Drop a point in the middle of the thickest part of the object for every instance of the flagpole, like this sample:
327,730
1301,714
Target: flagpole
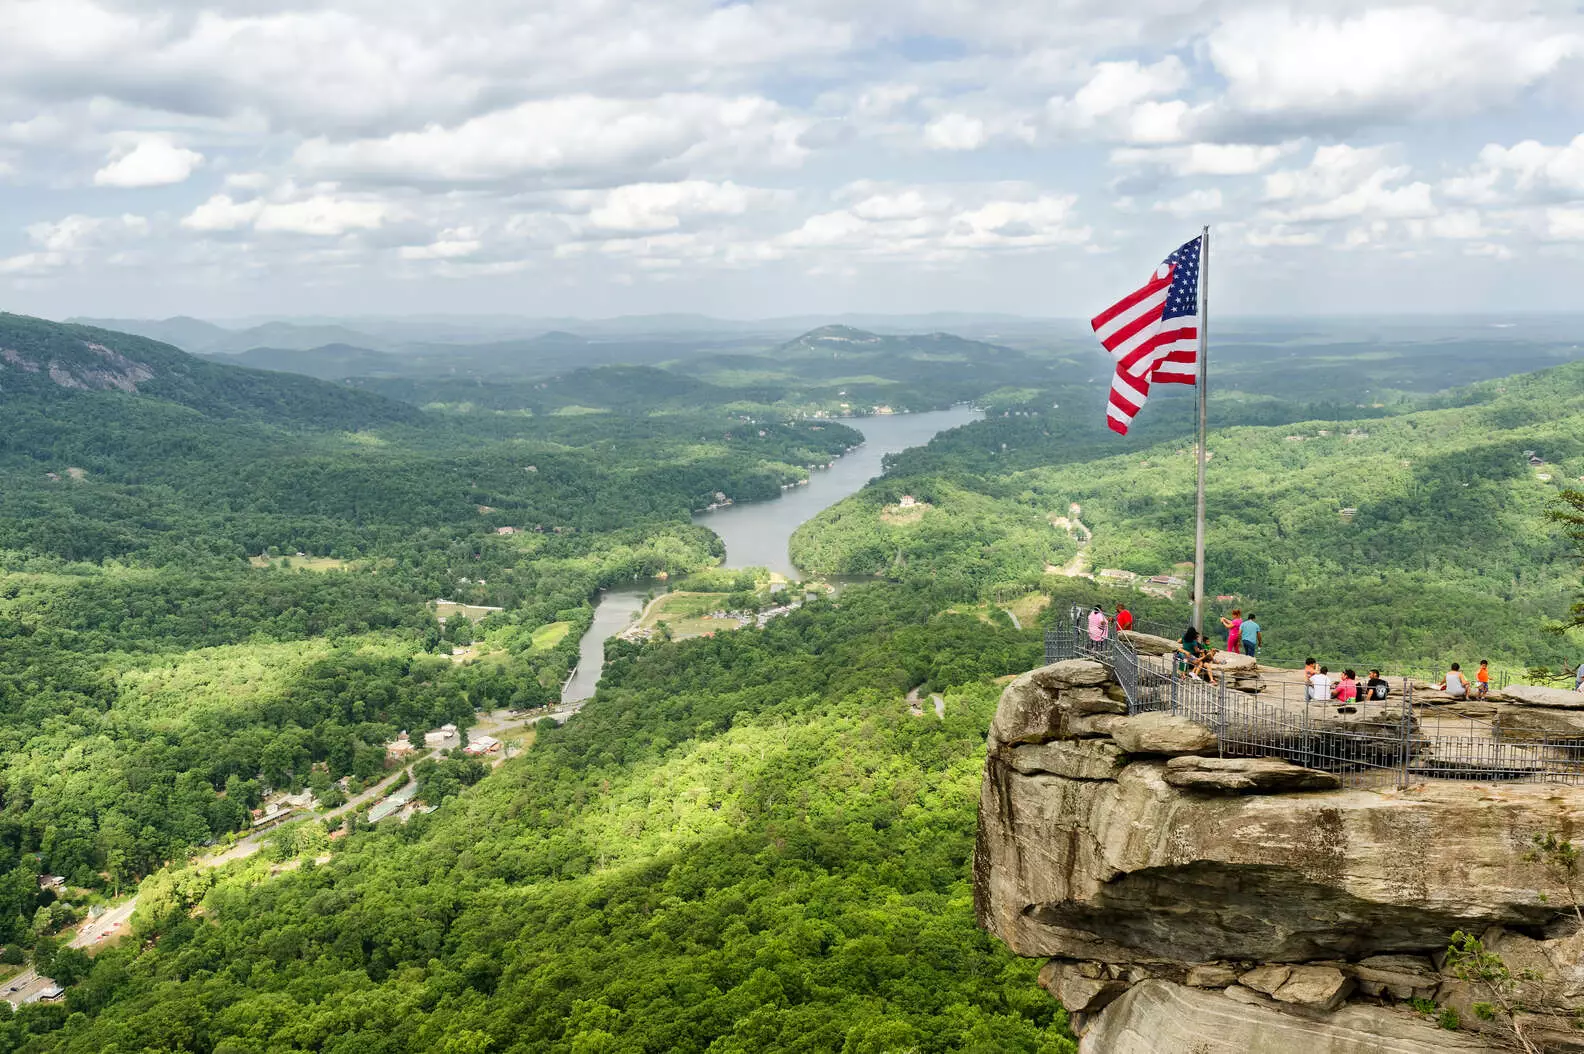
1204,375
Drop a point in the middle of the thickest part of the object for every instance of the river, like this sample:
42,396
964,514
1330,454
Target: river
756,533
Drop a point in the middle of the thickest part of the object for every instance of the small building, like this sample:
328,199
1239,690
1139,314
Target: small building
1536,460
505,530
481,745
401,748
51,882
908,501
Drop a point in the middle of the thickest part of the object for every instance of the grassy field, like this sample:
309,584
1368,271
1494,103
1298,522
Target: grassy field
301,563
547,637
685,613
446,608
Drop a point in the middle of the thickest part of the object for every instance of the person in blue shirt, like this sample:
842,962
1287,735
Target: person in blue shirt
1251,635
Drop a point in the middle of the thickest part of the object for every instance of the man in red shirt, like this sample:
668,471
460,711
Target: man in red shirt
1124,618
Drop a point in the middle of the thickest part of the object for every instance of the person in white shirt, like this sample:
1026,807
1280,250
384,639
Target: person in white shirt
1456,685
1099,625
1320,685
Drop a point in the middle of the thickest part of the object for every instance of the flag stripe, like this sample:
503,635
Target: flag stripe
1149,289
1152,335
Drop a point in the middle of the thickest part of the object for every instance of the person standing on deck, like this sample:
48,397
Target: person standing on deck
1098,626
1251,635
1234,628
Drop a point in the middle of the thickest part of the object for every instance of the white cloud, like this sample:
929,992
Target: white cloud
151,163
1565,224
318,215
664,206
1380,64
450,247
1345,182
1193,203
81,232
956,131
1526,171
575,134
935,223
1205,159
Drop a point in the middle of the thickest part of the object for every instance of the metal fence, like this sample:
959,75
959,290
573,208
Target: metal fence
1366,743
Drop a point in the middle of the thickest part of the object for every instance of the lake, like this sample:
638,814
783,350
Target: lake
756,533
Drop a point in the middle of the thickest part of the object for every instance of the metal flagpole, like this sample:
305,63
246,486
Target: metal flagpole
1204,373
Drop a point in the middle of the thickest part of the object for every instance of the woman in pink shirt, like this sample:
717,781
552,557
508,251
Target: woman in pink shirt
1098,624
1234,628
1346,690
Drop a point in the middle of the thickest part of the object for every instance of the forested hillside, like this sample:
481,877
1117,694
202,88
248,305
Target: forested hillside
1413,537
218,582
744,844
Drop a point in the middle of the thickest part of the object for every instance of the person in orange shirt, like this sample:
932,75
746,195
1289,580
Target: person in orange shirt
1482,679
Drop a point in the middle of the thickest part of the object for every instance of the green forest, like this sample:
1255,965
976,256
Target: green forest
220,584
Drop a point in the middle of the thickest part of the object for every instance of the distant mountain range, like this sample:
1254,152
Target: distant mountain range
42,360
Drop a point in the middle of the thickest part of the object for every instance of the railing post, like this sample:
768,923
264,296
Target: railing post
1407,732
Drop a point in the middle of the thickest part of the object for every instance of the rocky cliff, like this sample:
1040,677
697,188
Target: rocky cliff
1189,902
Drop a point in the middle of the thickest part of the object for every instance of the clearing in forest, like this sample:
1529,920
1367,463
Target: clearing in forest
301,563
548,636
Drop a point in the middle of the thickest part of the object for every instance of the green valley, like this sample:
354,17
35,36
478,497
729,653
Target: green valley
219,586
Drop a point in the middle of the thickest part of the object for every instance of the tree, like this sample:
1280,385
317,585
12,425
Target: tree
1568,510
69,966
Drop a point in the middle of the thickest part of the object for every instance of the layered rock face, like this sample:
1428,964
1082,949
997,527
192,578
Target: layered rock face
1190,902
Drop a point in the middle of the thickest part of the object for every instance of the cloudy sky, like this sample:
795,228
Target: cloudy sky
603,157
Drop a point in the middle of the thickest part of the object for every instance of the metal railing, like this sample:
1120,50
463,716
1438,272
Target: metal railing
1365,743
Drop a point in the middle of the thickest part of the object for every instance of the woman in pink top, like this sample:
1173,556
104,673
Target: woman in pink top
1234,628
1346,689
1098,624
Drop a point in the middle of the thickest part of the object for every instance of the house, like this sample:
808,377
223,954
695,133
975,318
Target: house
908,501
505,530
52,882
480,745
48,994
401,748
1536,460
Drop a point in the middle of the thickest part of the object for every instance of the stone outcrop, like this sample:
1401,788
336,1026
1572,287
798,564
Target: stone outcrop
1245,775
1192,902
1538,695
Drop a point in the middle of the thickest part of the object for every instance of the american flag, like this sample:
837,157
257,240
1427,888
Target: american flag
1153,334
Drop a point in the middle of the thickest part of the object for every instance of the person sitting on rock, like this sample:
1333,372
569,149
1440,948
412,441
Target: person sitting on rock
1482,679
1455,685
1376,687
1346,690
1319,684
1195,656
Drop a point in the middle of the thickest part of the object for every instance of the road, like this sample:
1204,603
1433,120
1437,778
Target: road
91,932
